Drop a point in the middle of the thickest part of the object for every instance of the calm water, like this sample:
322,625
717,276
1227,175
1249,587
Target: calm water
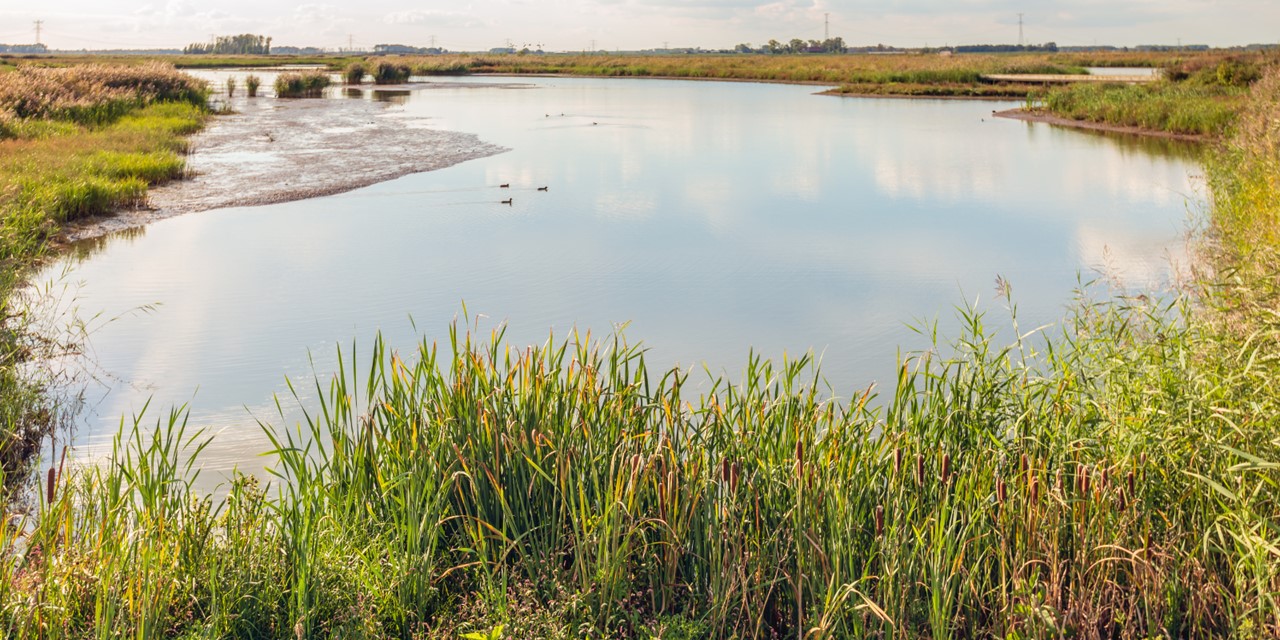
711,217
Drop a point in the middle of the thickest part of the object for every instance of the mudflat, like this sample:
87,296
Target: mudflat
276,150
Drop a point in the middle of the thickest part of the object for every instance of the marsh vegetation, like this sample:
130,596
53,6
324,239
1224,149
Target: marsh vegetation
1114,478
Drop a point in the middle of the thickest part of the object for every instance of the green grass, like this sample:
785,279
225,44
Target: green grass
74,142
1182,107
354,73
390,73
1116,477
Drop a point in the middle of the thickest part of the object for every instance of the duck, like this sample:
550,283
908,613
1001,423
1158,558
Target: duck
505,186
507,201
542,188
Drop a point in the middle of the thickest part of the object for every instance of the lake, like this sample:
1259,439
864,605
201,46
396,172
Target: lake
711,218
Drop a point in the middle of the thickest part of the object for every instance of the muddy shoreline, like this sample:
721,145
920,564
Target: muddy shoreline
1036,116
271,150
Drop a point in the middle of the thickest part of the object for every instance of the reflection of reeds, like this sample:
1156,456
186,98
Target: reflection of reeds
310,84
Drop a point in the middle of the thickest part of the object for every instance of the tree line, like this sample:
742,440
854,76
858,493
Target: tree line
245,43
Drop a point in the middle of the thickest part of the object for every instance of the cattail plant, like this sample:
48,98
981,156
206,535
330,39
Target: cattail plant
251,84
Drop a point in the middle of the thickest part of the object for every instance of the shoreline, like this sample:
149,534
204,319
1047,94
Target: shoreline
1036,116
276,150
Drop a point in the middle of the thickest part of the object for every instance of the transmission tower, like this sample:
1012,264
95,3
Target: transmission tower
38,25
1020,40
826,26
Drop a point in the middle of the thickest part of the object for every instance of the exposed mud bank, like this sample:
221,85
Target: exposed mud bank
273,150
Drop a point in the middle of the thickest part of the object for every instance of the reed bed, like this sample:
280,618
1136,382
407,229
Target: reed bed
1104,482
390,73
1113,478
73,143
93,94
354,73
816,69
251,84
310,84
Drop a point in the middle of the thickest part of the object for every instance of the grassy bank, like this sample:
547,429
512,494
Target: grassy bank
1117,479
74,142
1198,97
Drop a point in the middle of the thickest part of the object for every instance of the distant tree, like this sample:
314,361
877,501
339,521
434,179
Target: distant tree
245,43
795,46
774,46
743,48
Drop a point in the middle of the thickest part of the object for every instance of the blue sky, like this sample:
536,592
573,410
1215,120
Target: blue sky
639,24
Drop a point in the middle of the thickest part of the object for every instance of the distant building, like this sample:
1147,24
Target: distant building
297,51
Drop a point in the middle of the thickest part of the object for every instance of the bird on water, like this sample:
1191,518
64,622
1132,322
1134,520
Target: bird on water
507,201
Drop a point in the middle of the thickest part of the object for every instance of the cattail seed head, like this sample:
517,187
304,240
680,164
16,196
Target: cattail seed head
1022,463
919,469
1057,481
1002,492
1033,489
1106,479
735,473
1129,481
897,460
879,520
53,478
800,452
946,468
725,469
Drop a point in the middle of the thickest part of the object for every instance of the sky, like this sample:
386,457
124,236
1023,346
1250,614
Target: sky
573,25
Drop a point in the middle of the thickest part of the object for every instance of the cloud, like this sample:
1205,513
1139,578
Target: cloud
434,18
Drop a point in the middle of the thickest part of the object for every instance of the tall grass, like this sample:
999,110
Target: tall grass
1162,106
1114,478
1098,484
310,84
390,73
74,142
354,73
251,84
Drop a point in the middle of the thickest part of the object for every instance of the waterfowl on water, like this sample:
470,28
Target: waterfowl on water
507,201
504,186
542,188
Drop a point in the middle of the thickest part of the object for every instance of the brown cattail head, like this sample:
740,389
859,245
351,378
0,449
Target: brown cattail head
726,469
1022,463
53,479
946,468
1085,475
919,468
1033,488
879,520
1002,492
1057,481
800,453
734,474
897,460
1128,479
1106,479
